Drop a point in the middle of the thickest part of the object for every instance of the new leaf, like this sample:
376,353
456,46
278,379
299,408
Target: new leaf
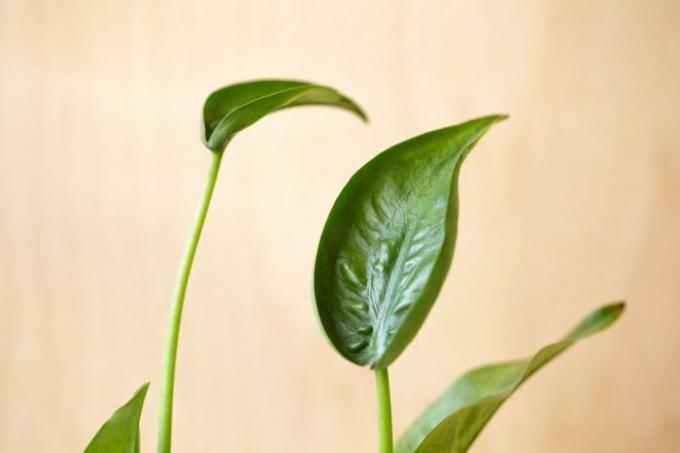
388,243
235,107
120,433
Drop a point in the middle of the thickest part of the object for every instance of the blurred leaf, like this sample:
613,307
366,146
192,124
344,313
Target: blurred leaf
120,433
235,107
455,419
388,243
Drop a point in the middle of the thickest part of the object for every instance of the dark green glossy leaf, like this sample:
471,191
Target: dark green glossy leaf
120,433
455,419
235,107
388,243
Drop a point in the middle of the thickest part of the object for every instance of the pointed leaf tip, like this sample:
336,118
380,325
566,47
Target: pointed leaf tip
388,243
120,433
454,420
235,107
598,320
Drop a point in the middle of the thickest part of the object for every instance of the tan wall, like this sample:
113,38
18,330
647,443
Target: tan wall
572,203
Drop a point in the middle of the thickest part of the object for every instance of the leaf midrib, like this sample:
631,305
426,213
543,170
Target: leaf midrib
258,99
384,315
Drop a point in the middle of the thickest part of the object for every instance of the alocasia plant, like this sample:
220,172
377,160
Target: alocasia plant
382,259
226,112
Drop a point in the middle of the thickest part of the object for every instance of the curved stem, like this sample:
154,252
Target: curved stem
382,387
172,335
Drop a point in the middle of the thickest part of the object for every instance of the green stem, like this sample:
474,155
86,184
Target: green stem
172,335
382,387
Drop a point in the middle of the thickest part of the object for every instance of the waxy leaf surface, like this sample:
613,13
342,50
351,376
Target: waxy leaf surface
120,433
235,107
388,242
455,419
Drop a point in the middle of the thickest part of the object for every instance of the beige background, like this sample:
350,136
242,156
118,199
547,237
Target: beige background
572,203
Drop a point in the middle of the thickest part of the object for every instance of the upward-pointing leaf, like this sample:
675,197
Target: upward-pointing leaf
388,243
453,421
120,433
235,107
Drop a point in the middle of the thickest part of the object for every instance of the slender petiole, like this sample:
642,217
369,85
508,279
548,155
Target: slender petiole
172,335
382,387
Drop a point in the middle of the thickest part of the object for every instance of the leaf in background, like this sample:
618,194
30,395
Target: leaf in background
120,433
455,419
388,243
235,107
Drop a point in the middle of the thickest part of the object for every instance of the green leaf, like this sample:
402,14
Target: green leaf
388,244
455,419
120,433
235,107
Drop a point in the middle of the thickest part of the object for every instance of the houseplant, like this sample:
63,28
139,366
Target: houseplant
382,259
383,256
226,112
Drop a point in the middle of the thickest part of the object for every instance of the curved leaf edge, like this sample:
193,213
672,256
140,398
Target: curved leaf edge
416,436
445,254
216,138
126,416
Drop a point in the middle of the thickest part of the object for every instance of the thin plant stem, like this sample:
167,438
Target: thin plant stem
382,387
172,335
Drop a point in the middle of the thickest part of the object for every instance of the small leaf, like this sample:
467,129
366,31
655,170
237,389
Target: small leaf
388,244
120,433
235,107
455,419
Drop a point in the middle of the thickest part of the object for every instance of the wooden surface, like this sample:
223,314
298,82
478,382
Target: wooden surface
573,202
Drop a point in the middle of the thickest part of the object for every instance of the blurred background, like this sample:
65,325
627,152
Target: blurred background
572,203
